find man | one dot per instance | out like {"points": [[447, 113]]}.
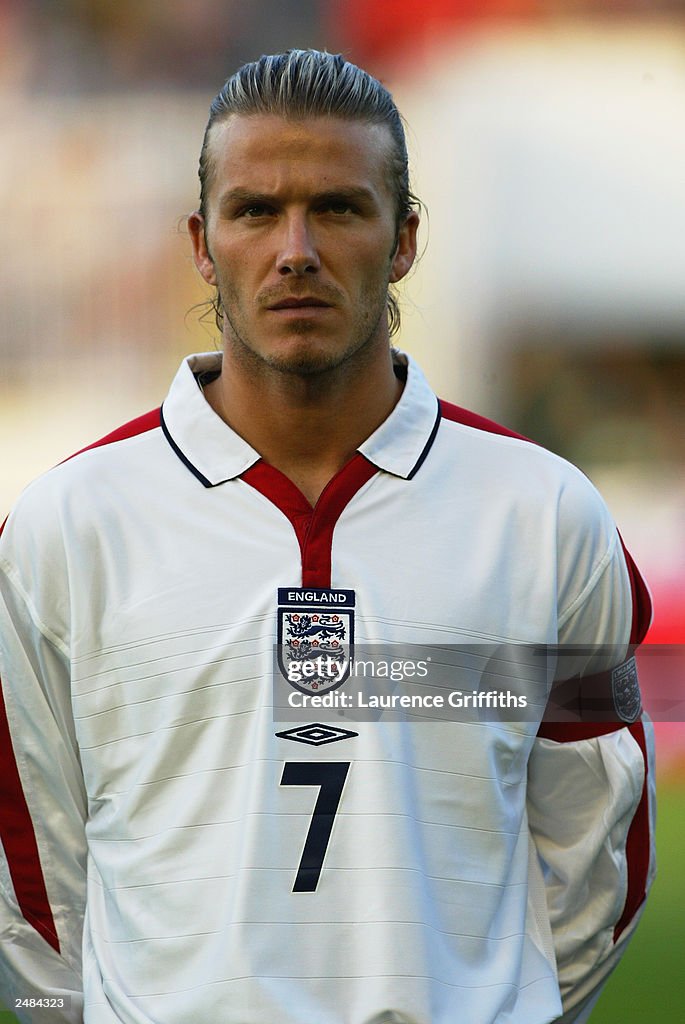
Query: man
{"points": [[172, 853]]}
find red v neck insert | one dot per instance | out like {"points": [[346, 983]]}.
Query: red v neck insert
{"points": [[313, 526]]}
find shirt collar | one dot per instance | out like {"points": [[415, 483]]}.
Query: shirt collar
{"points": [[403, 440], [214, 453], [208, 446]]}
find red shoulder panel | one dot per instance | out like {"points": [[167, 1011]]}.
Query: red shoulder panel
{"points": [[140, 425], [456, 414]]}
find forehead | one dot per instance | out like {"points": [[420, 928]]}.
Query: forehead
{"points": [[270, 152]]}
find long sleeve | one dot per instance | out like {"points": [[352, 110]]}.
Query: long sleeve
{"points": [[43, 854], [591, 796]]}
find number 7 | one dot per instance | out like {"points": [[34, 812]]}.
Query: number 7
{"points": [[330, 776]]}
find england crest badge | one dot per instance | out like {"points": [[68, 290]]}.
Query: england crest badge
{"points": [[315, 637], [625, 689]]}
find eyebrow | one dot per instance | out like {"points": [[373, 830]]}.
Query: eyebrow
{"points": [[353, 192], [239, 194]]}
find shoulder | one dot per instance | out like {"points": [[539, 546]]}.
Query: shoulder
{"points": [[536, 491], [88, 472], [589, 546], [505, 462], [52, 535], [143, 424], [456, 414], [120, 443]]}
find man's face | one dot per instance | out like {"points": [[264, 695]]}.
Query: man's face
{"points": [[301, 238]]}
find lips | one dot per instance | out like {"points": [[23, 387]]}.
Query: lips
{"points": [[299, 302]]}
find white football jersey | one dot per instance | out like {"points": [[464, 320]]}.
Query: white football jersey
{"points": [[175, 851]]}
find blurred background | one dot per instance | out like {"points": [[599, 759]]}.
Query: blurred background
{"points": [[547, 143]]}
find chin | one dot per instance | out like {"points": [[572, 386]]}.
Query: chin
{"points": [[308, 358], [306, 364]]}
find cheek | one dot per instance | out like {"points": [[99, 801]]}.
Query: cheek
{"points": [[373, 272], [228, 267], [237, 261]]}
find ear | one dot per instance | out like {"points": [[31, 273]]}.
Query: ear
{"points": [[405, 253], [201, 254]]}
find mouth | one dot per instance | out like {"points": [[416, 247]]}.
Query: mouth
{"points": [[304, 302]]}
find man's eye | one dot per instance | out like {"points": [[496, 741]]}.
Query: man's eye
{"points": [[339, 206], [255, 210]]}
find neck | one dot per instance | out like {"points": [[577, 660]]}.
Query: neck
{"points": [[307, 426]]}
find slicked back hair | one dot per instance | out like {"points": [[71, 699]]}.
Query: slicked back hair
{"points": [[312, 83]]}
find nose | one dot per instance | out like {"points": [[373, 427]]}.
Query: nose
{"points": [[298, 253]]}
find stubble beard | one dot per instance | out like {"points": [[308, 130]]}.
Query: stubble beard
{"points": [[308, 361]]}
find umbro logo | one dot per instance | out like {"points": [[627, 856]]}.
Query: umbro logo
{"points": [[316, 734]]}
